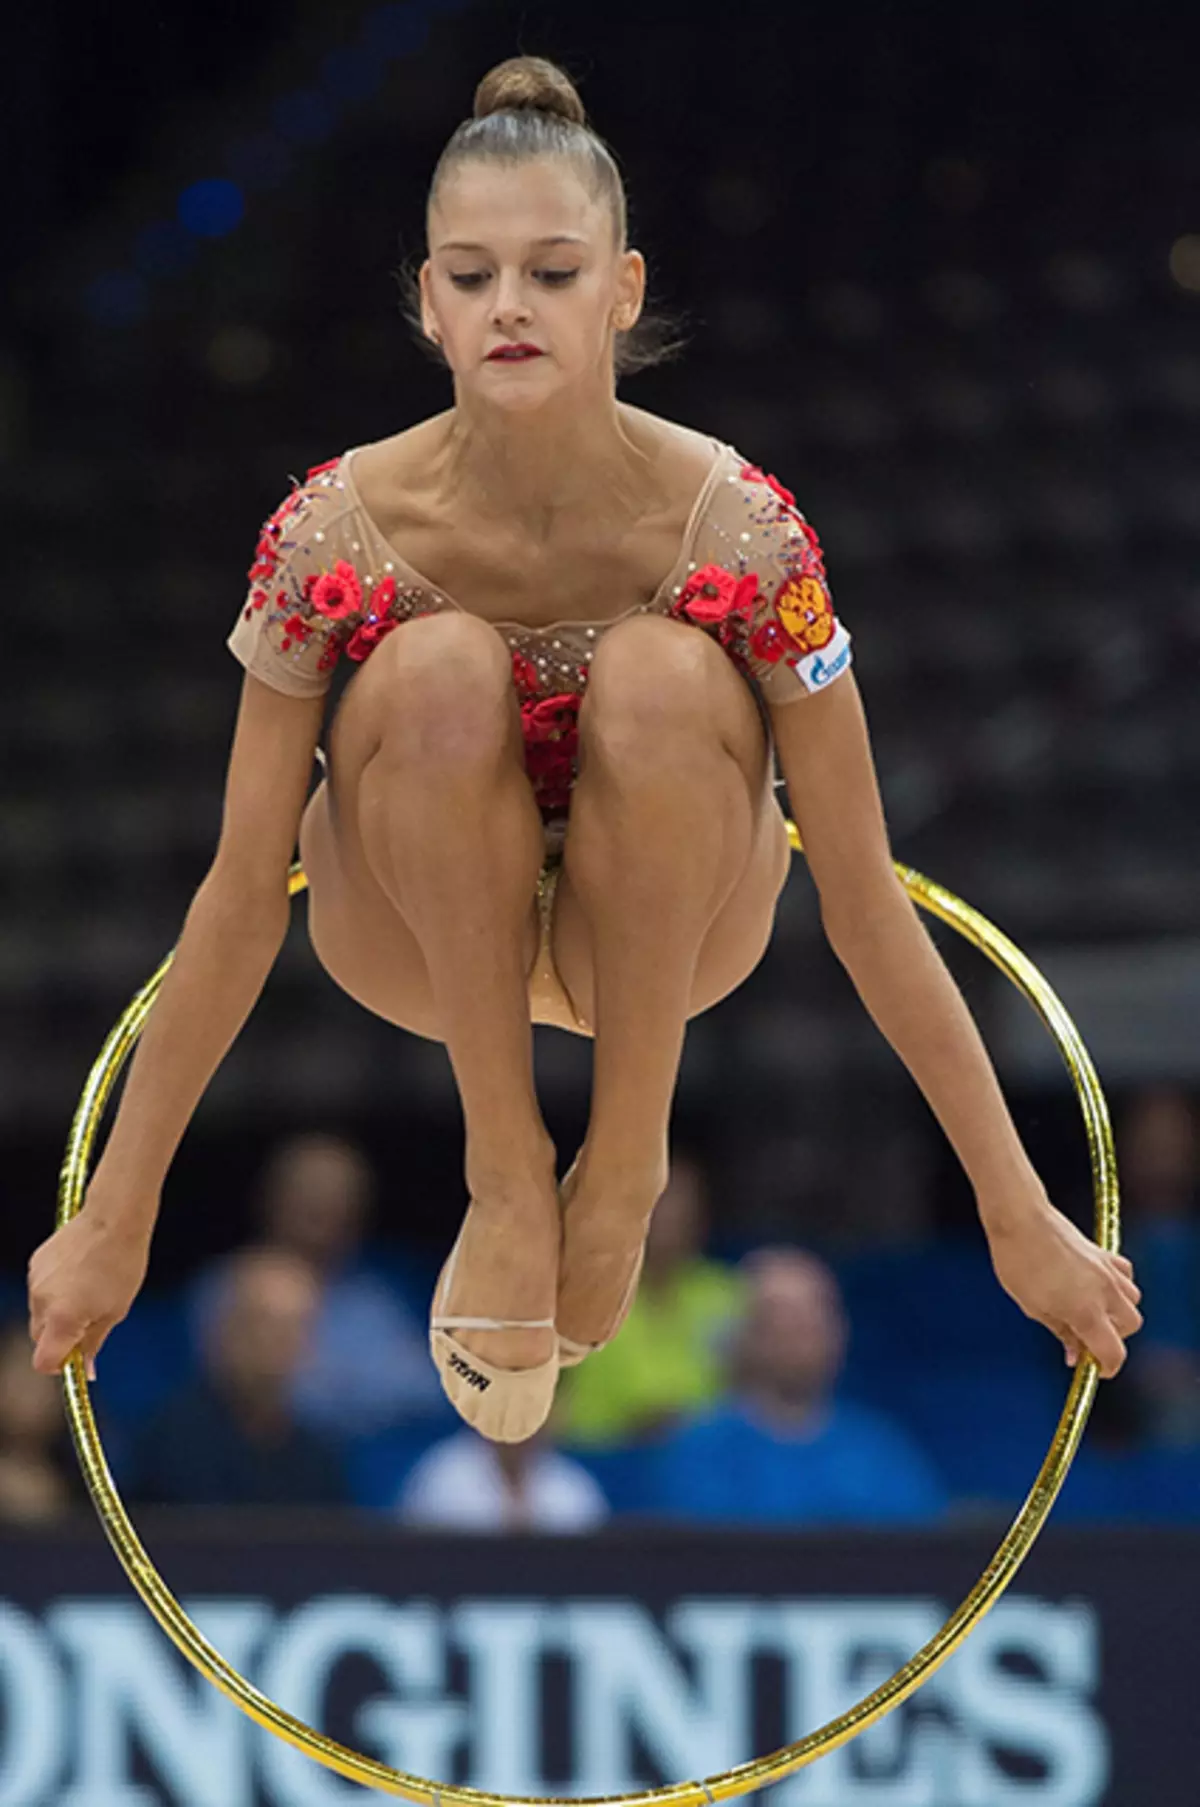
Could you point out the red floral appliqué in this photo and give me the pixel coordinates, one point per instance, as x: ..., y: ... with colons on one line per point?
x: 550, y: 726
x: 769, y: 643
x: 712, y: 597
x: 750, y: 473
x: 525, y: 675
x: 337, y: 593
x: 319, y: 469
x: 366, y: 638
x: 721, y: 604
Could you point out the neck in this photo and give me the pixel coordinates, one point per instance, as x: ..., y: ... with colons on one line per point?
x: 535, y: 466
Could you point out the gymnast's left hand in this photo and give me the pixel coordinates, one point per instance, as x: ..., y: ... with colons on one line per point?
x: 1060, y: 1277
x: 82, y: 1281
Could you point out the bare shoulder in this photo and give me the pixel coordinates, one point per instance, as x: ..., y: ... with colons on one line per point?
x: 682, y: 457
x: 393, y: 475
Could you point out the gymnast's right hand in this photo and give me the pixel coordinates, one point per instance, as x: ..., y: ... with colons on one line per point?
x: 82, y: 1281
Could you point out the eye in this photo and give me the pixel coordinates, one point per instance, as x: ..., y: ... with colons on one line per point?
x: 555, y: 279
x: 468, y: 279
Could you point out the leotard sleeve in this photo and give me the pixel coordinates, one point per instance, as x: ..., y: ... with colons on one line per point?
x: 784, y: 630
x: 306, y: 588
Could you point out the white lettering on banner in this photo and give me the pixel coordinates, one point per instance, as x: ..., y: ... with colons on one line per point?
x: 623, y: 1687
x: 826, y: 1646
x: 505, y: 1641
x: 97, y: 1709
x: 1046, y: 1716
x: 32, y: 1711
x: 407, y: 1644
x: 128, y: 1687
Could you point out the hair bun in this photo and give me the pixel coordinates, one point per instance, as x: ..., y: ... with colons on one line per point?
x: 529, y: 83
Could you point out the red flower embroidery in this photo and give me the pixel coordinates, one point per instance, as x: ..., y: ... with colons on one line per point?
x: 266, y: 556
x: 331, y: 654
x: 769, y: 642
x: 382, y: 598
x: 712, y: 595
x: 554, y: 719
x: 750, y: 473
x: 366, y: 638
x: 337, y: 593
x: 298, y: 628
x: 525, y: 673
x: 551, y: 731
x: 258, y: 599
x: 330, y: 464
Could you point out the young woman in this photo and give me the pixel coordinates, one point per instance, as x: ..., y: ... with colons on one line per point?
x: 583, y: 635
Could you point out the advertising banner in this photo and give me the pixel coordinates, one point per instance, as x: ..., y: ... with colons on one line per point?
x: 599, y: 1665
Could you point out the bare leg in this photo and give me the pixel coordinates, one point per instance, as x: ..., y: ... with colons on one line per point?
x: 453, y: 836
x: 662, y: 826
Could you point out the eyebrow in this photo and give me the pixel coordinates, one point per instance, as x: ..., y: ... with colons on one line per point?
x: 554, y: 238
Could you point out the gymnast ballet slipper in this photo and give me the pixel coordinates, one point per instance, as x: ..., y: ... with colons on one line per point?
x: 506, y: 1405
x: 571, y: 1353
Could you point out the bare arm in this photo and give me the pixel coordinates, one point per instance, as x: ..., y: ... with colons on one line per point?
x: 84, y: 1278
x: 875, y: 932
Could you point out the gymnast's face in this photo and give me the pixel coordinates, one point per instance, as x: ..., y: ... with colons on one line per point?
x: 524, y: 286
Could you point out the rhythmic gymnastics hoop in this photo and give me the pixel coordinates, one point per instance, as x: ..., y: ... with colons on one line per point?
x: 730, y: 1783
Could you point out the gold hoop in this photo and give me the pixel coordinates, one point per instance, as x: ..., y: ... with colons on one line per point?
x: 762, y: 1771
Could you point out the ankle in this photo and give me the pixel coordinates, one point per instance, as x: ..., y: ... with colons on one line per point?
x: 629, y: 1189
x: 512, y: 1178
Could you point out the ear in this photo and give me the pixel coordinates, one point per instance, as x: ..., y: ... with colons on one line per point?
x: 631, y: 290
x: 429, y: 325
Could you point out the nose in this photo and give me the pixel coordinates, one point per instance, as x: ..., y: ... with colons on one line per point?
x: 511, y: 306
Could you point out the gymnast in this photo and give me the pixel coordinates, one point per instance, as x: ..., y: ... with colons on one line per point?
x: 581, y: 637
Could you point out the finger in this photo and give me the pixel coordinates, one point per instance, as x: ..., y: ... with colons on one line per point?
x: 1126, y: 1285
x: 92, y: 1342
x: 1099, y: 1337
x: 58, y: 1337
x: 1126, y: 1318
x: 1068, y: 1340
x: 1124, y: 1263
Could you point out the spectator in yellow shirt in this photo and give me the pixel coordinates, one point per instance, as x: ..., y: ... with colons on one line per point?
x: 668, y: 1358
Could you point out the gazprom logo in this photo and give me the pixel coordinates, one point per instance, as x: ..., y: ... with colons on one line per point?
x: 819, y: 670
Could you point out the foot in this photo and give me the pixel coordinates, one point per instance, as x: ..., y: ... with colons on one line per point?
x: 507, y: 1268
x: 604, y: 1233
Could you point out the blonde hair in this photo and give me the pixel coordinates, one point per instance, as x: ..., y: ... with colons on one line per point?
x: 527, y: 108
x: 524, y: 108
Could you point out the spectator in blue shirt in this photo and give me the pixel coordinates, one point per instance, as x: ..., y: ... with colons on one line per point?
x: 368, y: 1362
x: 782, y: 1449
x: 232, y: 1438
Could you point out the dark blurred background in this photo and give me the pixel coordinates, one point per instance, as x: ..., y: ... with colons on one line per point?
x: 940, y: 268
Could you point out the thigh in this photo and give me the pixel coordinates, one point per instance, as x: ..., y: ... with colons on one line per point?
x: 361, y: 940
x: 357, y: 934
x: 740, y: 933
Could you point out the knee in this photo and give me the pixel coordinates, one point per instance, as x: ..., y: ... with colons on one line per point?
x: 443, y: 684
x: 648, y: 676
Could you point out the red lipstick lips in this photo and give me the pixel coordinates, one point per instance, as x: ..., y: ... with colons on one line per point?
x: 513, y: 354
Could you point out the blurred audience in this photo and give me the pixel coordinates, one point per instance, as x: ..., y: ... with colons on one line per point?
x: 368, y: 1362
x: 34, y: 1484
x: 1159, y: 1152
x: 782, y: 1449
x: 233, y: 1438
x: 465, y: 1483
x: 668, y: 1358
